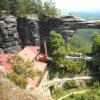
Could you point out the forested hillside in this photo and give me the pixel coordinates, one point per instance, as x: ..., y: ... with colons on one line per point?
x: 82, y: 41
x: 24, y: 7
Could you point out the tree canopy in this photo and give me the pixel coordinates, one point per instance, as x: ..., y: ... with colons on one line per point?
x: 24, y: 7
x: 96, y: 43
x: 57, y: 48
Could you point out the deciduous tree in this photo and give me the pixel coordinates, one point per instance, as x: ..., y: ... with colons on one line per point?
x: 57, y: 48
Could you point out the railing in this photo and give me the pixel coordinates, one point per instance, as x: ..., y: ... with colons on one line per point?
x: 87, y: 58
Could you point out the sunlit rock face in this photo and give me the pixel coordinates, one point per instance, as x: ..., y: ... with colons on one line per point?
x: 9, y: 38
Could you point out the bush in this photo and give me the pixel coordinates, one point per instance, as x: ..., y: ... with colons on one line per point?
x: 75, y: 67
x: 21, y: 67
x: 69, y: 84
x: 96, y: 43
x: 18, y: 80
x: 93, y: 83
x: 96, y: 65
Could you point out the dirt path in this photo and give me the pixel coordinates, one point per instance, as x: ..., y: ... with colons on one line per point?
x: 55, y: 81
x: 77, y: 92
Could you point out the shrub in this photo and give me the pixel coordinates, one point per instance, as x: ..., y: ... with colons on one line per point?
x: 21, y: 67
x: 96, y: 43
x: 75, y: 67
x: 93, y: 83
x: 69, y: 84
x: 18, y: 80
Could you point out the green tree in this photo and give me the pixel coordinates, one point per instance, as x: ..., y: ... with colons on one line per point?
x: 25, y: 7
x: 4, y: 5
x: 57, y: 48
x: 96, y: 43
x: 50, y: 9
x: 78, y: 44
x: 13, y: 6
x: 96, y: 51
x: 74, y: 66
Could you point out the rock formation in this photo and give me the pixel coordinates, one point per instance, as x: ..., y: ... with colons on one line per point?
x: 66, y: 25
x: 28, y: 28
x: 15, y: 33
x: 9, y: 38
x: 9, y: 91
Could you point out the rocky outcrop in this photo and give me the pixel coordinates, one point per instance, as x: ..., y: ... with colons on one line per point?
x: 15, y: 33
x: 65, y: 25
x: 9, y: 38
x: 28, y: 28
x: 9, y: 91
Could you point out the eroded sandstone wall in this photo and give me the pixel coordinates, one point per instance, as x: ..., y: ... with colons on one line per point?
x: 65, y: 25
x: 15, y: 33
x: 28, y: 28
x: 9, y: 37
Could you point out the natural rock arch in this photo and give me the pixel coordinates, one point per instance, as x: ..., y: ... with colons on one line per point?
x: 66, y: 25
x: 19, y: 32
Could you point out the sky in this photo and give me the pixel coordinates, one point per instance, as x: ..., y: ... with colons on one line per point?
x: 78, y: 5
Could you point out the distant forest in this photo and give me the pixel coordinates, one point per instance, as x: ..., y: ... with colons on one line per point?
x: 81, y: 41
x: 86, y: 33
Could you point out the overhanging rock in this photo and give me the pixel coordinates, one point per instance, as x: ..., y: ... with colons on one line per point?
x: 65, y: 25
x: 15, y: 33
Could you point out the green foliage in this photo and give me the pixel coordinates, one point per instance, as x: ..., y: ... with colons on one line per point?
x: 74, y: 66
x: 24, y: 7
x: 18, y: 80
x: 96, y: 43
x: 52, y: 73
x: 86, y: 34
x: 96, y: 65
x: 59, y: 92
x: 94, y: 83
x: 50, y: 9
x: 78, y: 44
x: 4, y: 5
x: 1, y: 50
x: 57, y: 48
x: 69, y: 84
x: 21, y: 67
x: 96, y: 51
x: 91, y: 95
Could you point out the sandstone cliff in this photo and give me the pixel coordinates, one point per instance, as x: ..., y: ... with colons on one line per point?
x: 15, y: 33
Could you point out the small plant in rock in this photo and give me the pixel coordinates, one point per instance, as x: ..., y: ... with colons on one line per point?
x: 21, y: 67
x: 18, y: 80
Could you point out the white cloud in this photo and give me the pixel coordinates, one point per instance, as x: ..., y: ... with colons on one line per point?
x: 78, y: 5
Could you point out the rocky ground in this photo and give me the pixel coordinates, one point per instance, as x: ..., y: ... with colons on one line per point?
x: 9, y: 91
